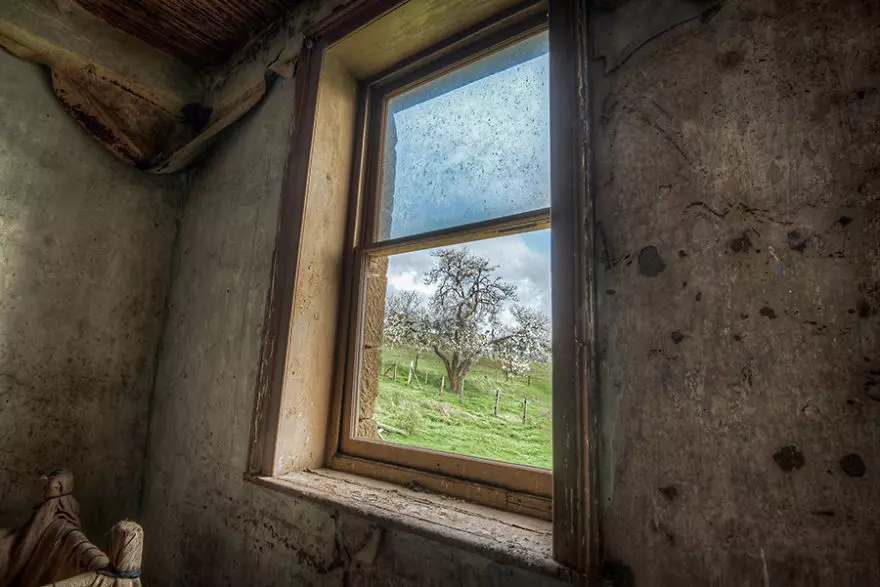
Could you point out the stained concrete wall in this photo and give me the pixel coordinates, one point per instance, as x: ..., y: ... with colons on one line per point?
x: 210, y: 526
x: 85, y: 249
x: 739, y: 168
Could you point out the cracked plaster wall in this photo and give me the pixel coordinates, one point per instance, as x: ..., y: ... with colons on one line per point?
x: 739, y: 302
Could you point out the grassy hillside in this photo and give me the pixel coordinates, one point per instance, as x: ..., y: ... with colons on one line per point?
x: 467, y: 426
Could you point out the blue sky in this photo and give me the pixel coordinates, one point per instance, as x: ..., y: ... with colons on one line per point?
x: 477, y: 151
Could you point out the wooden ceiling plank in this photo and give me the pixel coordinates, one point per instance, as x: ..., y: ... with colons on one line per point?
x: 198, y: 32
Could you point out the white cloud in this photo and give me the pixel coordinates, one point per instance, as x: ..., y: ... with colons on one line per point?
x: 525, y: 267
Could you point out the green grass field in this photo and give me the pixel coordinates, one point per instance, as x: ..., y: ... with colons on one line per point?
x: 467, y: 426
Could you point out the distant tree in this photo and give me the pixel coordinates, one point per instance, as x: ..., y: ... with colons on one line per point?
x: 463, y: 319
x: 529, y: 342
x: 403, y: 317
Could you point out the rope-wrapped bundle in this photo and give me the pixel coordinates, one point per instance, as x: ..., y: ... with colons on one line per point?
x: 51, y: 545
x: 124, y: 569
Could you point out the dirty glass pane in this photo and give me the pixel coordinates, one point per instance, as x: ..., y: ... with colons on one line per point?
x: 469, y: 146
x: 467, y: 368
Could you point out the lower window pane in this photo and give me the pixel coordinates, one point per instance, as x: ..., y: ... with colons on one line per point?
x: 456, y: 351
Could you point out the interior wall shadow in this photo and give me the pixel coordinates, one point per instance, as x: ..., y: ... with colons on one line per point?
x: 85, y: 248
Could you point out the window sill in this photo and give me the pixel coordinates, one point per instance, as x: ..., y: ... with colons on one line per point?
x: 505, y: 537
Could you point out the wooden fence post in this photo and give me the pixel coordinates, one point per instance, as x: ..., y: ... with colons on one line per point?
x: 409, y: 377
x: 442, y: 381
x: 525, y: 408
x: 394, y: 376
x: 497, y: 397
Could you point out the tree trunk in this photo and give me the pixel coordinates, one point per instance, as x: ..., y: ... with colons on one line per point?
x: 456, y: 370
x: 456, y: 378
x: 456, y: 384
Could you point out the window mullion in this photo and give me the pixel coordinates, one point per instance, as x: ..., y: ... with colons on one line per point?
x: 517, y: 223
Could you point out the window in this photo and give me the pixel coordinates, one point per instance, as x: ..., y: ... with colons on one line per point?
x: 436, y: 208
x: 450, y: 368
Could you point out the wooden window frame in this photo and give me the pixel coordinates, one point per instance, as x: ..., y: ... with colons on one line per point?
x: 521, y: 480
x: 573, y: 484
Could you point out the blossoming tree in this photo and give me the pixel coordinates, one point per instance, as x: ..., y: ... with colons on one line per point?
x: 470, y: 314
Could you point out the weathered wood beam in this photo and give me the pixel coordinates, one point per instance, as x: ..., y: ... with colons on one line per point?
x: 145, y: 107
x: 63, y: 36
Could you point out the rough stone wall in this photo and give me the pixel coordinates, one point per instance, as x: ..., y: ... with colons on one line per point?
x: 739, y: 169
x: 209, y: 526
x: 371, y: 358
x: 85, y: 250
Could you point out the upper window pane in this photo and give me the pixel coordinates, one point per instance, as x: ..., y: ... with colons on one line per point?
x: 469, y: 146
